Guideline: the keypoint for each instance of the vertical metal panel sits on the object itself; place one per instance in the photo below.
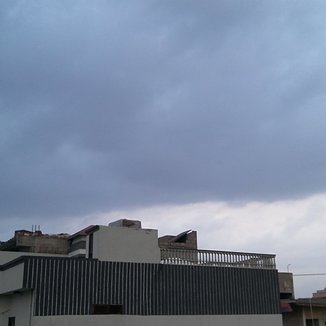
(66, 286)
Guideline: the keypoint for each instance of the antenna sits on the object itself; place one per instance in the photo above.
(288, 267)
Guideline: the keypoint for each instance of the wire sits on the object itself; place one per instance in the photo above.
(315, 274)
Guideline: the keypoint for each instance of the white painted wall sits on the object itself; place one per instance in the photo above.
(118, 320)
(7, 256)
(13, 304)
(16, 305)
(11, 279)
(126, 244)
(21, 308)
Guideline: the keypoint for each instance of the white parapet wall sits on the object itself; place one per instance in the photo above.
(119, 320)
(7, 256)
(12, 279)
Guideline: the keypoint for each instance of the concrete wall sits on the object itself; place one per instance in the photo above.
(189, 241)
(298, 316)
(16, 305)
(7, 256)
(5, 303)
(42, 243)
(119, 320)
(126, 245)
(317, 313)
(12, 279)
(294, 318)
(21, 308)
(285, 281)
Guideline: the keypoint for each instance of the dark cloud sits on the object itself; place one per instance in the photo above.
(106, 104)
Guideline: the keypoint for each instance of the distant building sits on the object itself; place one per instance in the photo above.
(306, 312)
(302, 311)
(36, 242)
(122, 274)
(320, 294)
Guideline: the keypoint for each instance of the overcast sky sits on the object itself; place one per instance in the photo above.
(187, 114)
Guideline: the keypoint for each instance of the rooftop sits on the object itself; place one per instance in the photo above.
(126, 240)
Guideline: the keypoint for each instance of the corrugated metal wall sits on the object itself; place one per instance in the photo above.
(70, 287)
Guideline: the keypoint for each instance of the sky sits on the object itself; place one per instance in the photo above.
(205, 115)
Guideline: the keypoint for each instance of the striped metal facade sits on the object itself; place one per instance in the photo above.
(66, 286)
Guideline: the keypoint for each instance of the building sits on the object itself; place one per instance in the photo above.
(319, 293)
(306, 312)
(122, 274)
(302, 311)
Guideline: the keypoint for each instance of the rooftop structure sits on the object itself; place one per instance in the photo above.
(320, 294)
(36, 242)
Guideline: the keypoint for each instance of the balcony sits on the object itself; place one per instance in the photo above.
(217, 258)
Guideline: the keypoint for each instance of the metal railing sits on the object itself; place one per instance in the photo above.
(217, 258)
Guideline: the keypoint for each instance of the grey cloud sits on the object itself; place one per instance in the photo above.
(108, 104)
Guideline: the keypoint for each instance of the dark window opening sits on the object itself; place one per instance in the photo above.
(107, 309)
(312, 322)
(11, 321)
(286, 295)
(182, 237)
(90, 245)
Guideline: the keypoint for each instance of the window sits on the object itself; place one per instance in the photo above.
(312, 322)
(107, 309)
(90, 245)
(11, 321)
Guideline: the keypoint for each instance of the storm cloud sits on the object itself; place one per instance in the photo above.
(107, 105)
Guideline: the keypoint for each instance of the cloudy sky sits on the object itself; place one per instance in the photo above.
(207, 115)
